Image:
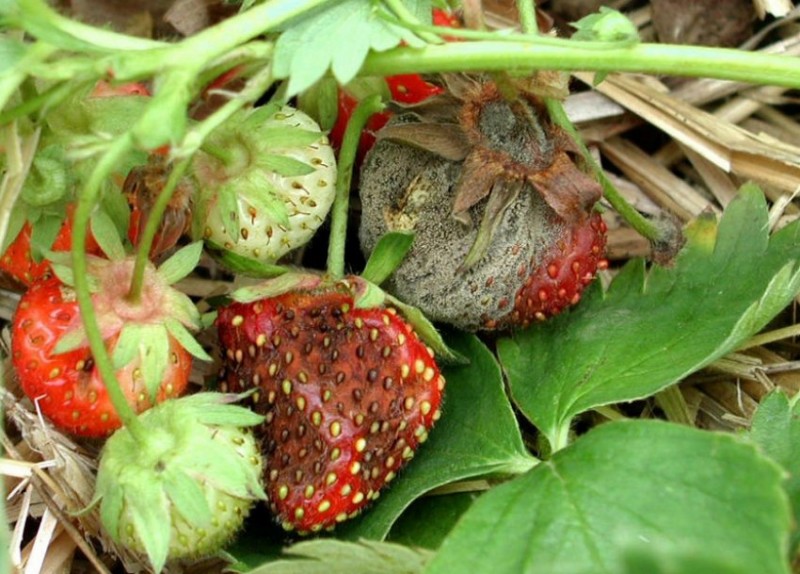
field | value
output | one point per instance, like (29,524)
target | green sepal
(321,102)
(288,137)
(219,409)
(154,353)
(16,221)
(368,295)
(127,345)
(427,332)
(147,505)
(243,265)
(44,231)
(249,120)
(181,263)
(293,281)
(229,208)
(284,165)
(260,193)
(186,339)
(187,497)
(387,256)
(106,235)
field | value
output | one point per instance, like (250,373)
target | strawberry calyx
(185,488)
(266,183)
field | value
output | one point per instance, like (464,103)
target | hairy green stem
(524,57)
(151,228)
(87,199)
(636,220)
(345,164)
(527,16)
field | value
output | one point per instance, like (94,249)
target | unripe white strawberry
(267,181)
(183,487)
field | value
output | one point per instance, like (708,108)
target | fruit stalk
(151,228)
(346,161)
(87,199)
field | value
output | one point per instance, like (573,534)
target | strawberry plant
(351,202)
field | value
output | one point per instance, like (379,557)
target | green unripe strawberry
(183,489)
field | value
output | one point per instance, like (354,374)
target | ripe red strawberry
(348,394)
(270,186)
(147,341)
(570,265)
(27,264)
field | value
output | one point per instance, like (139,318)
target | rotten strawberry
(348,392)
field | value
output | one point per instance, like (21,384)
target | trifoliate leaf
(643,486)
(106,235)
(387,256)
(340,557)
(186,339)
(180,264)
(652,328)
(338,39)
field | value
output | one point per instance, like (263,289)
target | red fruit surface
(348,394)
(570,266)
(67,387)
(104,90)
(18,262)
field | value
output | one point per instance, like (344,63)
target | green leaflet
(653,327)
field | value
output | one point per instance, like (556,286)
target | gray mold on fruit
(405,188)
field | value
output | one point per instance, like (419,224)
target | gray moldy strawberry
(348,394)
(492,194)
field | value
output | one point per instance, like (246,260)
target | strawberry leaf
(652,328)
(338,39)
(776,430)
(387,256)
(181,263)
(467,442)
(626,490)
(341,557)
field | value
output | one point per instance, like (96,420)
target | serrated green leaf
(186,339)
(340,557)
(181,263)
(285,165)
(338,39)
(389,252)
(651,329)
(106,234)
(623,487)
(187,497)
(776,430)
(467,442)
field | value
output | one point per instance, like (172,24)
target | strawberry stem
(347,158)
(555,108)
(87,199)
(151,228)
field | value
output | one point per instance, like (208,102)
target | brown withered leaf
(570,192)
(445,140)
